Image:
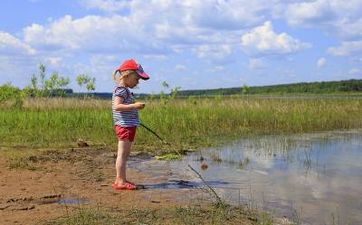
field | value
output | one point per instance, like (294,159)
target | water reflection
(314,177)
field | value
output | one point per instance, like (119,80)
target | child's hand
(139,105)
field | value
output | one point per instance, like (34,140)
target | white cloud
(264,40)
(208,28)
(17,68)
(155,56)
(217,69)
(313,12)
(180,68)
(219,14)
(106,5)
(157,28)
(54,61)
(213,51)
(321,62)
(256,64)
(355,71)
(11,45)
(89,33)
(339,17)
(347,29)
(222,14)
(346,49)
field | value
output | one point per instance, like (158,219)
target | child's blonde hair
(122,74)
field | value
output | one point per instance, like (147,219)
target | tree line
(324,87)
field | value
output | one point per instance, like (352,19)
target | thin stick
(150,130)
(219,201)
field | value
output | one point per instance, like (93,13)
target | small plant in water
(244,163)
(168,156)
(216,157)
(204,166)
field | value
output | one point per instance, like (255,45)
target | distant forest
(330,87)
(327,87)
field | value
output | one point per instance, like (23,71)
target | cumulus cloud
(208,28)
(355,71)
(156,28)
(309,13)
(155,56)
(90,33)
(220,14)
(349,30)
(217,69)
(346,49)
(180,68)
(54,61)
(264,40)
(106,5)
(256,64)
(12,45)
(213,51)
(321,62)
(232,14)
(336,16)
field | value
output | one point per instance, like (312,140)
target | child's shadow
(180,184)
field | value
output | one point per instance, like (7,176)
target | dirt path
(77,178)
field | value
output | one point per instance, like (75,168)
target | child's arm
(119,106)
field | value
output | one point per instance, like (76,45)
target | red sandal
(125,186)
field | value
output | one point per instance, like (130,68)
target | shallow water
(311,178)
(72,201)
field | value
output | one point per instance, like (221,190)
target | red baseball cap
(131,64)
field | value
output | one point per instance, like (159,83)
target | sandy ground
(78,178)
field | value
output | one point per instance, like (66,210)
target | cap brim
(143,75)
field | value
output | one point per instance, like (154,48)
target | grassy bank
(173,215)
(187,123)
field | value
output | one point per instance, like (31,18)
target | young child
(125,116)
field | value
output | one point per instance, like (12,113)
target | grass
(196,214)
(185,123)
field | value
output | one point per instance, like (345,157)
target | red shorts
(125,133)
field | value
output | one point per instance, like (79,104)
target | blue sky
(190,44)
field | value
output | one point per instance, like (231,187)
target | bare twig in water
(219,201)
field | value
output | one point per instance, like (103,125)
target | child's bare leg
(124,148)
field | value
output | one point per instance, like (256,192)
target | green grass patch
(184,123)
(172,215)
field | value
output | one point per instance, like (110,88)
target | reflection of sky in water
(318,175)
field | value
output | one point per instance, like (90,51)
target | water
(72,201)
(311,179)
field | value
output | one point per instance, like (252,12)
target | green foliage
(87,81)
(9,93)
(245,89)
(173,93)
(165,84)
(54,85)
(40,86)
